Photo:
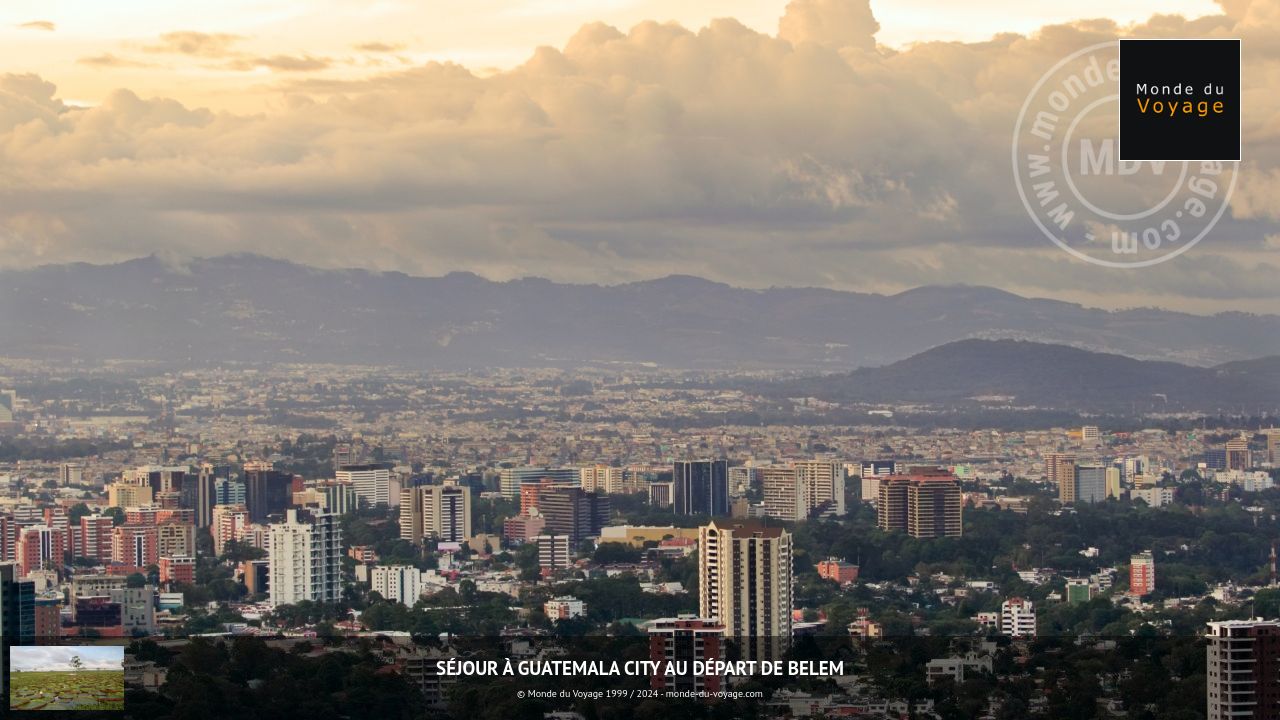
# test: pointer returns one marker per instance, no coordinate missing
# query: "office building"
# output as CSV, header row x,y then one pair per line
x,y
1090,435
17,607
1091,483
574,512
398,583
70,474
662,494
371,482
179,569
701,487
925,504
208,480
1018,618
1242,670
685,639
268,492
801,490
1142,574
1237,452
511,480
745,584
305,558
174,539
521,529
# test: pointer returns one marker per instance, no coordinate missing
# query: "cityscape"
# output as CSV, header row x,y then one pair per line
x,y
538,513
635,359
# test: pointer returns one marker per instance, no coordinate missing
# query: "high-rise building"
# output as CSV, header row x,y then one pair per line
x,y
1060,472
1238,454
925,504
178,569
1273,445
39,546
802,490
573,512
1018,618
1113,476
510,480
701,487
160,478
685,639
267,491
870,472
554,553
662,494
331,496
70,474
305,559
123,494
230,522
371,482
398,583
17,615
1091,483
136,546
1090,435
1142,574
442,512
175,539
1242,672
206,496
95,537
601,478
744,584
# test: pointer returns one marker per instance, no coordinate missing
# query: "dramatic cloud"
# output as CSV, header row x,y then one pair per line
x,y
811,157
44,25
186,42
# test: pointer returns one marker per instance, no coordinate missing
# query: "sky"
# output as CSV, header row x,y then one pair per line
x,y
832,143
49,658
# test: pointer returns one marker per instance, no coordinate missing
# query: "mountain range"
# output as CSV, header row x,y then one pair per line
x,y
993,373
253,308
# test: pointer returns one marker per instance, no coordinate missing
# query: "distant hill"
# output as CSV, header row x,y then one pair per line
x,y
247,307
976,372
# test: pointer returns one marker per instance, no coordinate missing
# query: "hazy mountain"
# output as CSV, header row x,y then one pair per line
x,y
987,372
253,308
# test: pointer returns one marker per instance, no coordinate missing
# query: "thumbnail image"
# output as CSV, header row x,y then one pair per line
x,y
66,678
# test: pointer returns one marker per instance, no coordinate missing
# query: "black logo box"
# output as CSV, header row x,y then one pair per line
x,y
1192,63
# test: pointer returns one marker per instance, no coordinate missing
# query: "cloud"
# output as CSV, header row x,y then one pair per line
x,y
59,658
283,63
108,60
188,42
379,47
44,25
809,157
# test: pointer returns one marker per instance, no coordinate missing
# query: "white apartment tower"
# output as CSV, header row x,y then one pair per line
x,y
745,580
305,559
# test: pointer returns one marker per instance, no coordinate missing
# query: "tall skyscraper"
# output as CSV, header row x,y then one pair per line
x,y
1060,472
1242,670
371,481
684,639
267,491
305,559
1142,574
17,616
1091,483
206,495
573,512
701,487
745,578
925,504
